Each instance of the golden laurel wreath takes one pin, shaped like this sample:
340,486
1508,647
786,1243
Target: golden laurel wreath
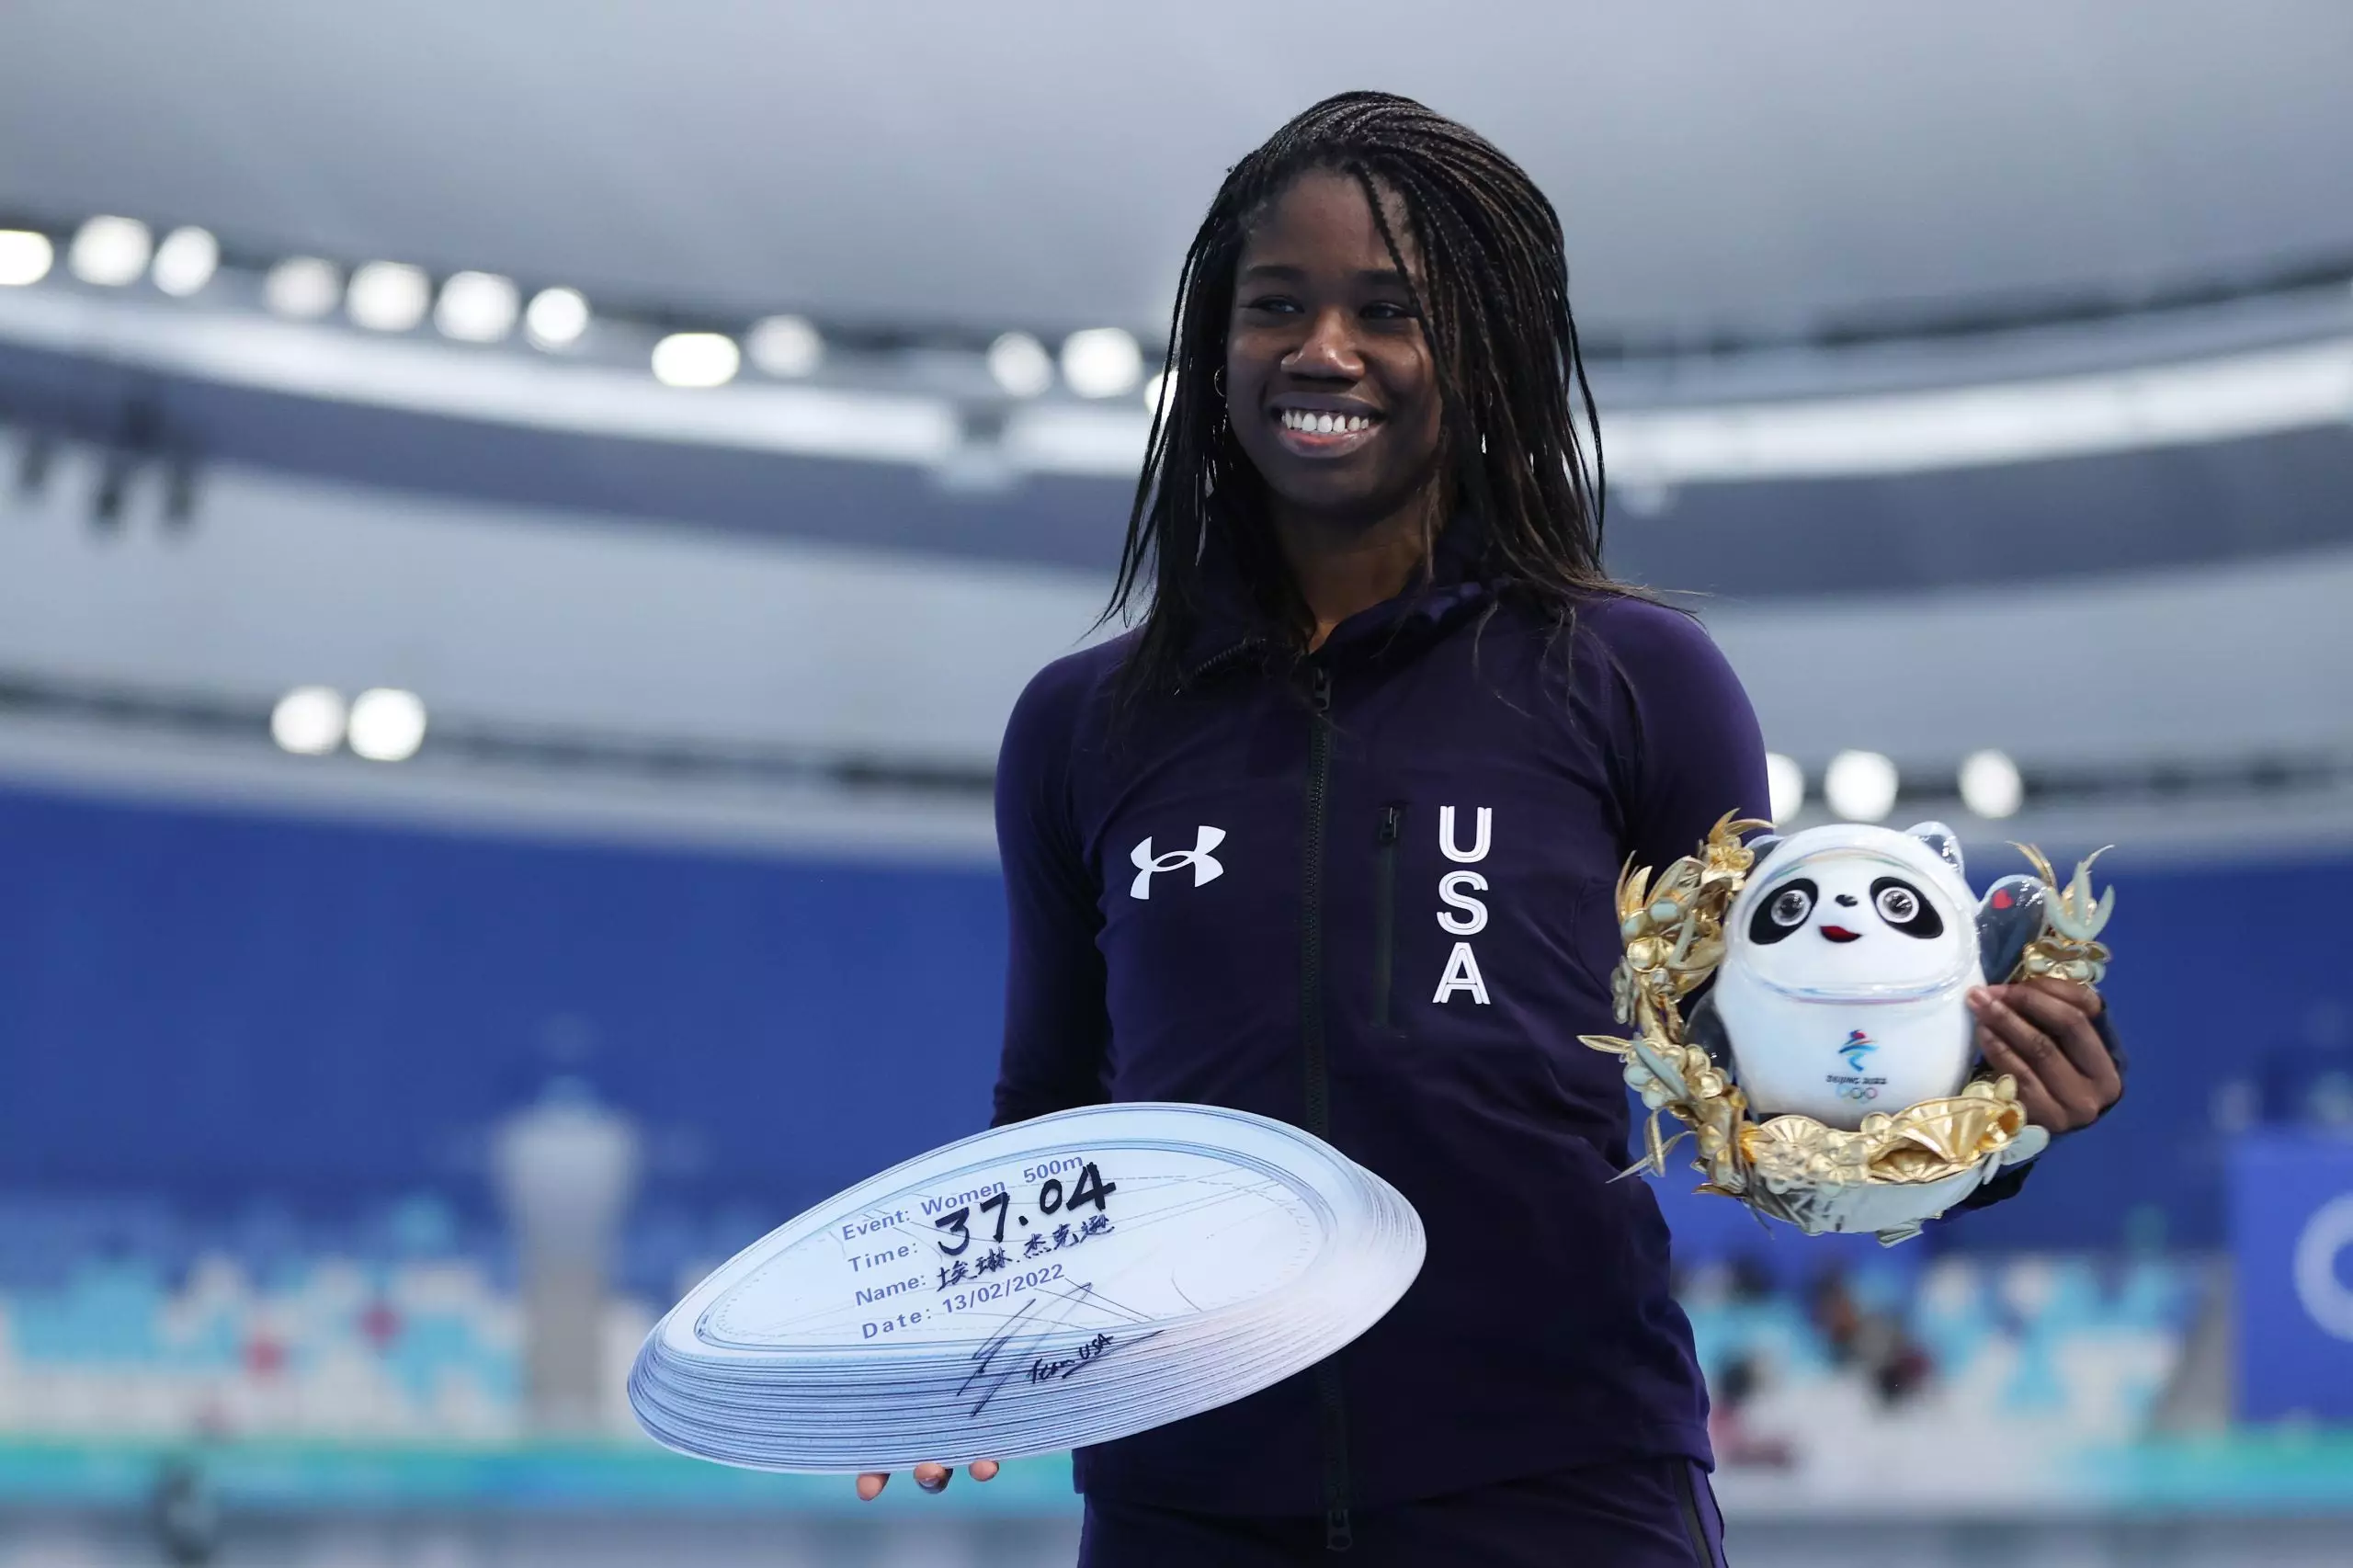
1888,1176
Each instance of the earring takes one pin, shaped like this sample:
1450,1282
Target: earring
1217,382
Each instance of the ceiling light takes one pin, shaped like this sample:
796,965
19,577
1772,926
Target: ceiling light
1785,783
556,317
387,725
1020,364
389,296
186,261
1643,498
110,251
308,721
1102,361
1990,785
696,359
787,345
477,307
1859,786
302,287
24,257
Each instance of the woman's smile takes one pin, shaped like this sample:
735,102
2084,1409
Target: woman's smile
1325,427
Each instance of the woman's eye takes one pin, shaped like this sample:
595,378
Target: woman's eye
1271,302
1388,311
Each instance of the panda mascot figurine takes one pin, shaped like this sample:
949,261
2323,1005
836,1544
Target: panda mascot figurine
1848,956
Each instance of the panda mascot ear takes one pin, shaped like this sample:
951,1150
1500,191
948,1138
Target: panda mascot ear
1761,846
1942,840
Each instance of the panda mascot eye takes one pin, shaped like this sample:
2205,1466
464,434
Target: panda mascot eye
1900,905
1785,912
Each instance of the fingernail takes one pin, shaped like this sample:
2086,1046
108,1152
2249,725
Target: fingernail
1979,997
933,1485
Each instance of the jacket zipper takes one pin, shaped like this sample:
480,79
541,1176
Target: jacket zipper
1337,1534
1385,914
1226,656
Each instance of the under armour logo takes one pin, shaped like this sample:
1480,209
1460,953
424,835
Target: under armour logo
1205,865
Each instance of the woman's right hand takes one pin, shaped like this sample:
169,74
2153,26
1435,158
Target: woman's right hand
930,1477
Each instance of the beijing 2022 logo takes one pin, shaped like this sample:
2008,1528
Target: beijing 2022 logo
1857,1087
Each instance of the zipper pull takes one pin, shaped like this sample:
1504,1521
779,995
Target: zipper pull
1319,691
1389,818
1337,1534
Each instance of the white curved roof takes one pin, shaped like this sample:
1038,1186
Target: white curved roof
1718,161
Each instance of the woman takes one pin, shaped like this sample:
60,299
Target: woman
1332,837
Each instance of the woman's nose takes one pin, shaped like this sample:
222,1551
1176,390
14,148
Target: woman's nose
1328,351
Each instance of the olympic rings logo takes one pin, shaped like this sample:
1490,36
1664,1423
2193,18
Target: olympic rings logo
2325,1236
1859,1092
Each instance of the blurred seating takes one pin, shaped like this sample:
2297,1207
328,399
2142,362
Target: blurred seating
122,1318
2053,1350
125,1317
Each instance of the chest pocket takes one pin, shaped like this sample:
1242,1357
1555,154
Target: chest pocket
1472,915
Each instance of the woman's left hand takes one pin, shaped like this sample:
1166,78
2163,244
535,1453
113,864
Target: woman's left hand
2040,1032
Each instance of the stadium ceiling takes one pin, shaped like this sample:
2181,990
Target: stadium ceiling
1722,167
1883,298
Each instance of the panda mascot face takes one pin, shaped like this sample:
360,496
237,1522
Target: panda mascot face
1848,956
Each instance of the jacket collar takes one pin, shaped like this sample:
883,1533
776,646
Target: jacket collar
1230,632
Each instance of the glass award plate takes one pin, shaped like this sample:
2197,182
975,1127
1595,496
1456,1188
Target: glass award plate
1061,1281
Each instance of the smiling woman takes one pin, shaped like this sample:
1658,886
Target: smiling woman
1366,547
1372,332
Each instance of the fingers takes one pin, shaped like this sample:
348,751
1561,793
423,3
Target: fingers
2057,1096
930,1477
2024,1038
2042,1110
2090,1002
2060,1014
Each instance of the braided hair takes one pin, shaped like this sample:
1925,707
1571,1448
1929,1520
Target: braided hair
1494,303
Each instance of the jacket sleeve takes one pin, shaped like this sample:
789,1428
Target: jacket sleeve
1696,751
1056,1022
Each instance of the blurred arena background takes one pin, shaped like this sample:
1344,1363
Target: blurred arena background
520,523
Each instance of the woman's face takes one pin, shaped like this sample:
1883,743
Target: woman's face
1329,380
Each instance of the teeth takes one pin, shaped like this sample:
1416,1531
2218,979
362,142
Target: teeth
1324,423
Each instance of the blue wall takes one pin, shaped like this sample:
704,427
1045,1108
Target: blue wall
2222,973
220,1004
217,1005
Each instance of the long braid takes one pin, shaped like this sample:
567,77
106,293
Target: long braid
1493,300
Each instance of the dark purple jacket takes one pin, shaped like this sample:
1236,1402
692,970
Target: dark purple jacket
1369,892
